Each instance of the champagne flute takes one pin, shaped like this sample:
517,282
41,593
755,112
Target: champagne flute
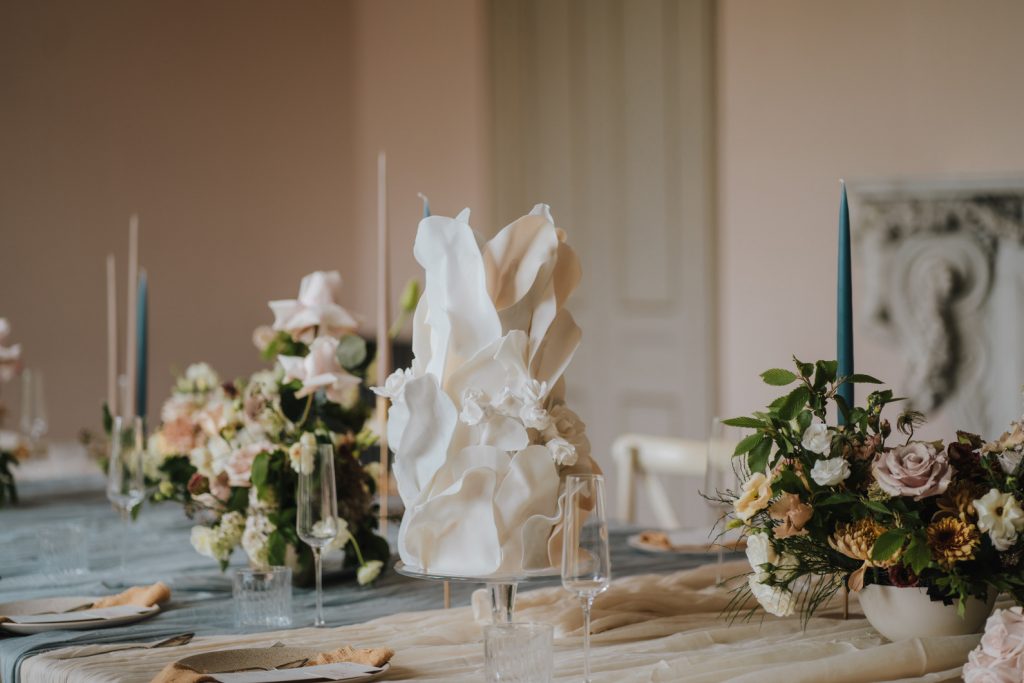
126,481
317,519
719,476
586,564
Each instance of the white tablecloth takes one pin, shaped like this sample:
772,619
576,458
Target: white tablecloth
647,628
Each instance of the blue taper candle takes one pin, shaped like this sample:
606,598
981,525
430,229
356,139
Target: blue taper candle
142,346
426,204
844,302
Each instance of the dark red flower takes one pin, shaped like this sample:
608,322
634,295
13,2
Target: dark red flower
198,484
902,576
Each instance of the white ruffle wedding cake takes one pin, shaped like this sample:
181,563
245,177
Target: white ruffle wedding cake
479,426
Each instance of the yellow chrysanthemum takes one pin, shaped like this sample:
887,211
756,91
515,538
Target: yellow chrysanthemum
958,501
856,539
952,540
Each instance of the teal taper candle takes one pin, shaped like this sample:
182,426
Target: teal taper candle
426,205
142,344
844,302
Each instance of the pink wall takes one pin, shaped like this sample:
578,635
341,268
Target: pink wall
813,91
244,134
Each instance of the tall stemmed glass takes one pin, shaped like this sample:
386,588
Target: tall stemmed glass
317,520
586,563
126,480
719,476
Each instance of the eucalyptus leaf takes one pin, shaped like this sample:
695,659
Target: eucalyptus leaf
351,351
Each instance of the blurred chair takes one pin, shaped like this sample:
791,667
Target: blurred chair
647,458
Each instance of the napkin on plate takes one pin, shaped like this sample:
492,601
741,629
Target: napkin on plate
175,672
139,596
133,600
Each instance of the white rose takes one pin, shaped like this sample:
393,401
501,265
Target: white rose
830,471
343,537
202,539
255,537
760,551
773,599
816,437
302,452
1000,515
368,572
474,407
562,452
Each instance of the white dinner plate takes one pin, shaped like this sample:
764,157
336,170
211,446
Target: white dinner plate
77,622
689,542
242,664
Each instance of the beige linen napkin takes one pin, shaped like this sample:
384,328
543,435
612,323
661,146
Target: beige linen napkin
140,596
179,673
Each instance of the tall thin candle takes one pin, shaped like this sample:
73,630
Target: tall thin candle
142,364
383,342
844,302
131,330
111,335
426,204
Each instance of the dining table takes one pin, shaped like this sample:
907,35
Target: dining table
664,618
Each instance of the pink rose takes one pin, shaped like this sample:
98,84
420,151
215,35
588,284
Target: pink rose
180,435
239,465
999,658
916,469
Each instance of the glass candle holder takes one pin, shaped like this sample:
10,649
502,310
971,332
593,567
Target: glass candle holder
263,598
63,550
518,653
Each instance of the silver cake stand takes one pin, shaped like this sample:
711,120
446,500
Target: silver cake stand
501,587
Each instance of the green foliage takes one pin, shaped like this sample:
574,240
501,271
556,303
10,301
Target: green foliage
888,544
8,489
351,351
778,377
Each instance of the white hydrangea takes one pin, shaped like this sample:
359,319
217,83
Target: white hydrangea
217,542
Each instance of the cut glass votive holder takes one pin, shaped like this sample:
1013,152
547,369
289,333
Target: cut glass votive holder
263,598
518,653
63,550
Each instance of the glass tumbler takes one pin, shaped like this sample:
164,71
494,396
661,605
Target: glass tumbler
518,653
263,597
63,550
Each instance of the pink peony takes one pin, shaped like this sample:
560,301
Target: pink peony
916,469
239,465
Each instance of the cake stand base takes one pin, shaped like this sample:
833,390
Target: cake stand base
502,588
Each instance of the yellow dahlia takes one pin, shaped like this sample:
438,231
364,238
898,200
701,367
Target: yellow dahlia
856,539
952,540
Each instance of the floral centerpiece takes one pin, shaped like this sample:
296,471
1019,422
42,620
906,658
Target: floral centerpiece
11,447
826,505
230,452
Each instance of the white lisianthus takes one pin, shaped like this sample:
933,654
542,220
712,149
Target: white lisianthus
368,572
474,407
774,599
302,452
1000,515
1010,461
562,452
816,437
830,471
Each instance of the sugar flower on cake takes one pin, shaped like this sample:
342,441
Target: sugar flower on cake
481,434
917,469
314,309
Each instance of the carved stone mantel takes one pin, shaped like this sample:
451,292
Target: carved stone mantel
943,268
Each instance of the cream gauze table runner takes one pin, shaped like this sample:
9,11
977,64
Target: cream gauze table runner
647,628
